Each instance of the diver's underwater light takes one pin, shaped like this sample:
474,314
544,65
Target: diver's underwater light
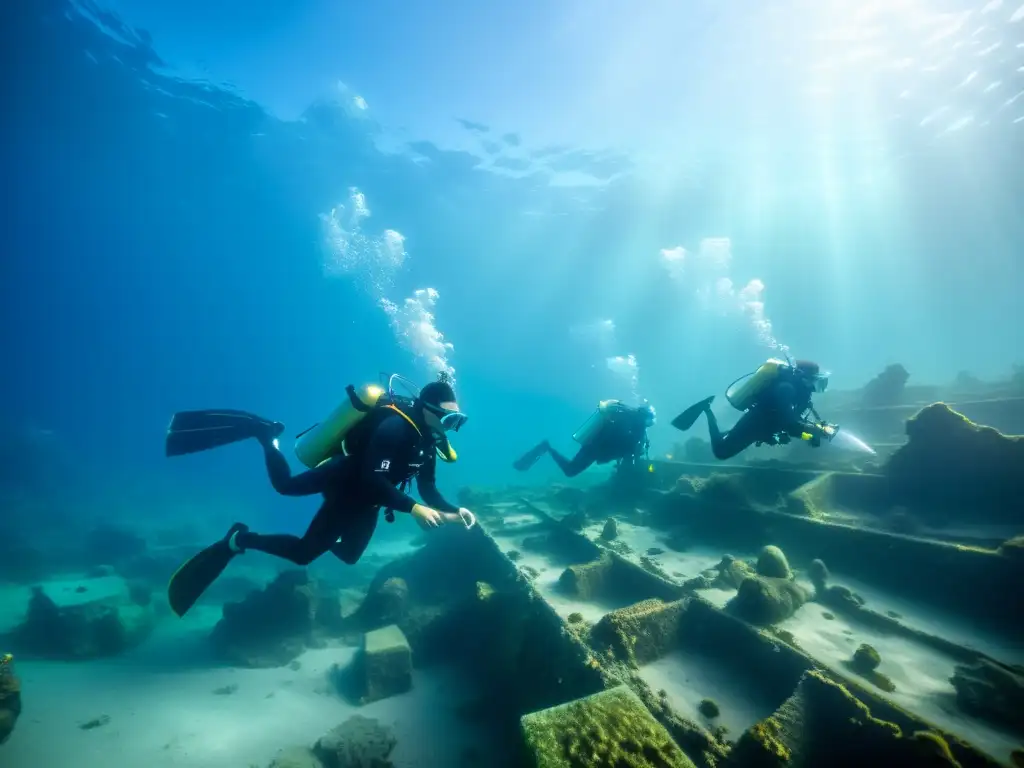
845,439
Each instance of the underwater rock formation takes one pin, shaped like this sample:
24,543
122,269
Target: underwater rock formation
818,573
609,728
639,633
610,532
887,387
10,697
732,572
90,619
822,724
953,468
764,601
387,602
272,626
865,662
772,563
359,742
381,669
991,692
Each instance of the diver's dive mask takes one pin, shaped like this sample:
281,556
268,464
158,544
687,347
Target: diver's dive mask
649,415
820,382
451,421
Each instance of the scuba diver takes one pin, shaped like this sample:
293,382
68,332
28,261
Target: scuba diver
361,458
615,432
776,401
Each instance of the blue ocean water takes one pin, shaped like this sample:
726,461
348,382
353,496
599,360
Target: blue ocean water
245,206
171,243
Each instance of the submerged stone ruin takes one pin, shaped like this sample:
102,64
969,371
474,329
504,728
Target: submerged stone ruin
714,615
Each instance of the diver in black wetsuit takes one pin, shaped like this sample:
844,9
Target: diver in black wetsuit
616,432
775,413
386,450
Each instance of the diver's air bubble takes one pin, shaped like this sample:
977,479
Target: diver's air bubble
372,261
627,369
707,275
415,328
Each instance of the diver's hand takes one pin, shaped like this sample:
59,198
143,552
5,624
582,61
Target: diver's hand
427,517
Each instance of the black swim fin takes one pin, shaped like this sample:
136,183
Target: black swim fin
531,457
194,431
686,419
197,573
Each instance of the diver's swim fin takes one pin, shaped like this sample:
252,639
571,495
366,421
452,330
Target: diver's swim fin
197,573
194,431
686,419
531,457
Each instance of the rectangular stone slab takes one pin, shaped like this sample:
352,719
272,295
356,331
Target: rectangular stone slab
611,727
386,664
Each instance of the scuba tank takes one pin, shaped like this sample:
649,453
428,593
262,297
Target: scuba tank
589,429
743,392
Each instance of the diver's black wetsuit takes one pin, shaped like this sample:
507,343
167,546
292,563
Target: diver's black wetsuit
623,437
779,410
354,487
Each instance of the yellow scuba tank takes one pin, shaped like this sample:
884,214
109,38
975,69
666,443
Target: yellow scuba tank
588,431
326,439
742,393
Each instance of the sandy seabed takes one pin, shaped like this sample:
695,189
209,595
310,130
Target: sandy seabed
170,704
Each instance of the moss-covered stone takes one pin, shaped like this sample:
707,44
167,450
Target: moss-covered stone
640,633
587,580
865,663
765,601
387,664
610,728
709,709
10,697
866,659
818,573
952,467
772,562
732,572
610,532
991,692
81,620
820,718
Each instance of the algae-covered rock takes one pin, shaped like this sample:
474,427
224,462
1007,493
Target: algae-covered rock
10,697
709,709
865,662
822,724
610,532
640,633
587,580
359,742
610,728
887,387
991,692
386,603
85,619
819,575
272,626
764,601
732,572
772,563
384,667
953,467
